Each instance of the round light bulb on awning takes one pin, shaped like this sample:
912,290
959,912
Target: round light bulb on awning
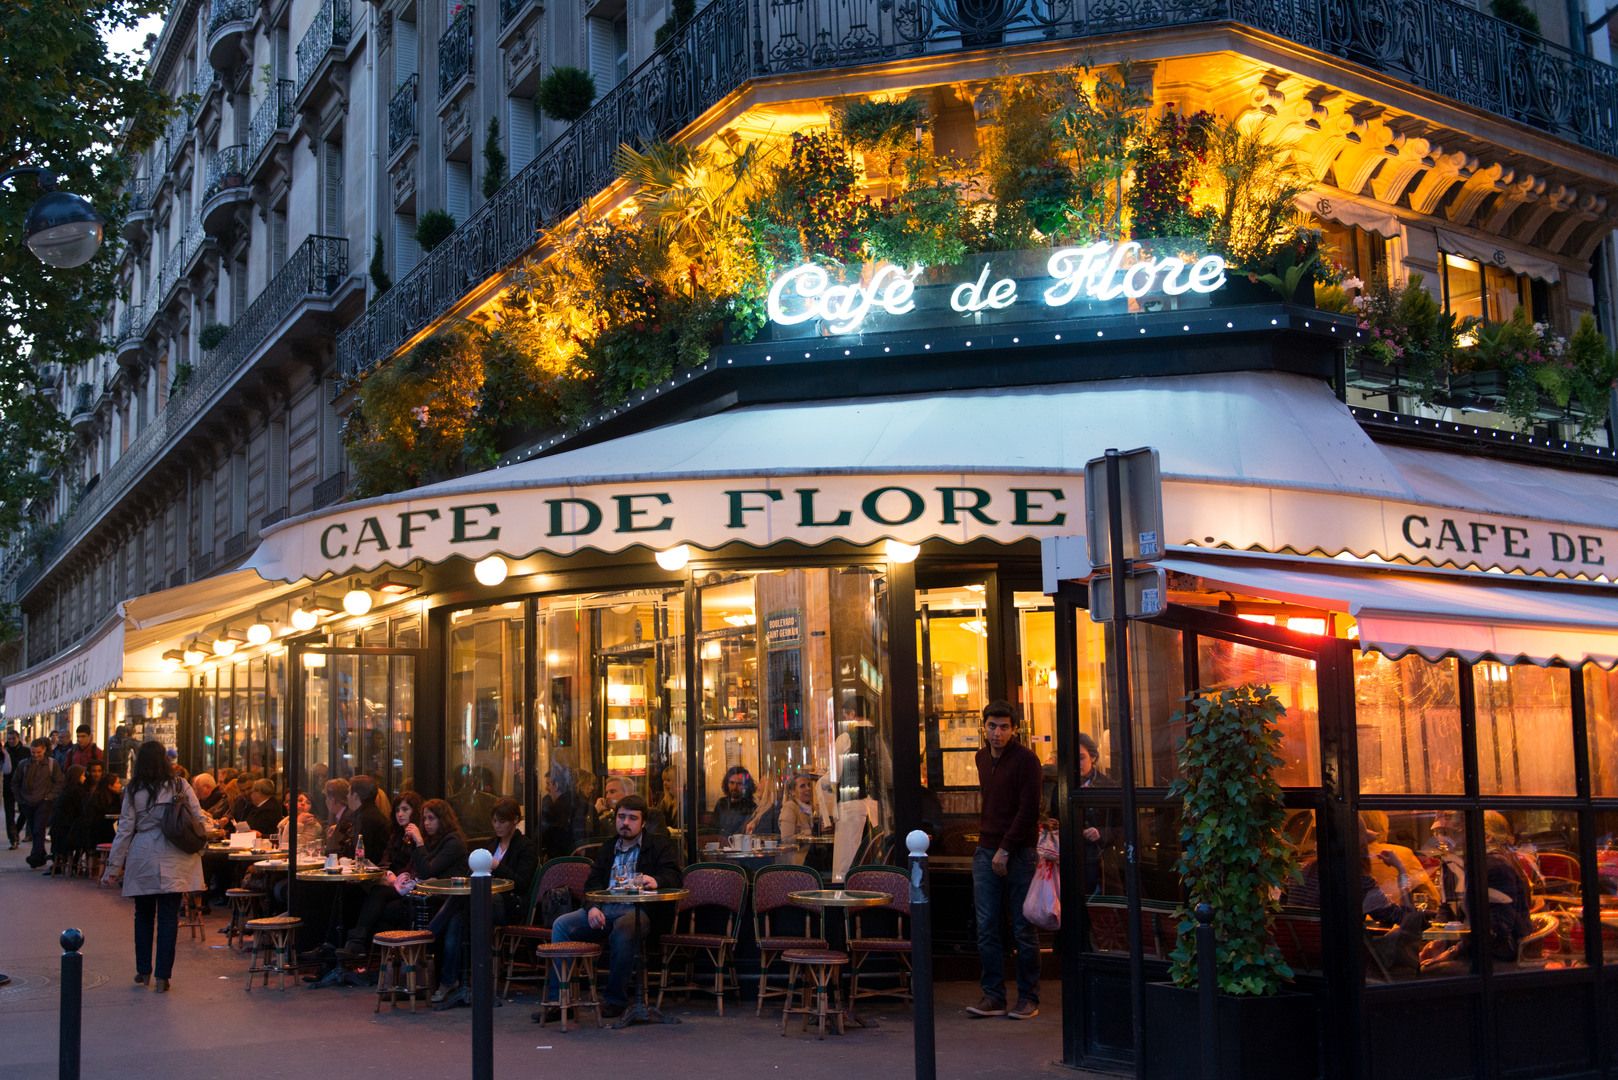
304,619
193,655
902,553
356,601
674,558
223,646
259,633
491,571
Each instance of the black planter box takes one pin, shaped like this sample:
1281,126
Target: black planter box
1260,1038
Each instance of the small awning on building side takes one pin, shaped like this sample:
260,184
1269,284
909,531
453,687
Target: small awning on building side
1434,613
86,669
1499,255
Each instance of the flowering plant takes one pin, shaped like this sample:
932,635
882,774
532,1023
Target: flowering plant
1535,362
1404,327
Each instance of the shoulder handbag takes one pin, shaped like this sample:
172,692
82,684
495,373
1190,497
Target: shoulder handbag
180,826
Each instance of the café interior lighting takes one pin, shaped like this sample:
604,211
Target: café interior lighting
357,601
397,583
193,654
304,618
491,571
259,633
227,641
674,558
173,658
902,553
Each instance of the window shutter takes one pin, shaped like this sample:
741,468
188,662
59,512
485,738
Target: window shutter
278,240
406,252
238,290
457,189
332,185
404,52
519,133
602,45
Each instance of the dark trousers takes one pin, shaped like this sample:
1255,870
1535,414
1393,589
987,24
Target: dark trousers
995,897
38,817
165,908
450,924
622,936
13,822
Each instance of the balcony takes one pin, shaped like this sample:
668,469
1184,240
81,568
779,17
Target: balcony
512,10
315,272
404,124
138,219
83,414
231,19
322,46
455,52
202,87
521,55
225,189
131,335
271,126
1442,47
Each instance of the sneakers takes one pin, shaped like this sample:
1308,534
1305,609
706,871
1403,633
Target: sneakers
988,1006
1025,1010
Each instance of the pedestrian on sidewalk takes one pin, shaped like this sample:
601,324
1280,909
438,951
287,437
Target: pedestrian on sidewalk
153,871
37,784
1003,864
12,755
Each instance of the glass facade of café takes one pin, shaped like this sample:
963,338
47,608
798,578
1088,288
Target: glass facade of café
1490,787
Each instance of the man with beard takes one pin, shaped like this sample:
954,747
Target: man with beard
736,806
638,859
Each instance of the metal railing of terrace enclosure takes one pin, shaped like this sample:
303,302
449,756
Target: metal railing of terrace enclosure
1439,45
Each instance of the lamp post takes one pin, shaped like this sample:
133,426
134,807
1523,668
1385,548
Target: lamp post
62,229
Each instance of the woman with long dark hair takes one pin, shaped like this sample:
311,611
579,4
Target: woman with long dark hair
441,852
153,871
386,903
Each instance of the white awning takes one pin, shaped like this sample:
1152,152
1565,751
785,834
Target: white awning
1002,465
1499,255
86,669
1434,613
1345,209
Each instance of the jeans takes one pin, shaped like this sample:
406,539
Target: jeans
13,822
625,927
992,896
450,924
38,817
166,908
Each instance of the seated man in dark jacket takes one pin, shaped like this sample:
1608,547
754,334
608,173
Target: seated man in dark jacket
367,821
637,859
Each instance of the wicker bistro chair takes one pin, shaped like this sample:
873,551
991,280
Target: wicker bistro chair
405,967
273,940
717,886
575,963
771,887
244,907
512,942
862,944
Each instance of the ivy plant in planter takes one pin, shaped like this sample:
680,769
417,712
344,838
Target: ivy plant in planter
182,377
566,93
433,228
210,336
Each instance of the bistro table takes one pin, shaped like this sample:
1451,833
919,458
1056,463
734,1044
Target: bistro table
459,886
338,975
843,900
641,1012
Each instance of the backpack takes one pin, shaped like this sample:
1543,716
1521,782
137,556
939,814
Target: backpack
179,827
555,903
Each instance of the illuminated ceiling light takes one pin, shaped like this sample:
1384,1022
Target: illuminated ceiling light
304,618
259,633
902,553
674,558
173,659
357,601
397,582
742,620
227,641
491,571
193,655
314,659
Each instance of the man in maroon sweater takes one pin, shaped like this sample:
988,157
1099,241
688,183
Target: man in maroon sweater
1003,865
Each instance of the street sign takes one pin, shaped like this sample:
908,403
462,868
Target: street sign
1062,558
1146,589
1141,482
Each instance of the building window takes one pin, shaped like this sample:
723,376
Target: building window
406,252
331,189
1482,291
1364,254
606,40
458,189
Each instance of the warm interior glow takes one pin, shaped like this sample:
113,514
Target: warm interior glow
314,659
1307,626
357,601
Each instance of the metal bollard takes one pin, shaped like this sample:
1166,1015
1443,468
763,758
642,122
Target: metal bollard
482,966
1208,991
72,1005
921,955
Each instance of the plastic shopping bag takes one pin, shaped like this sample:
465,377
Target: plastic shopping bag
1043,905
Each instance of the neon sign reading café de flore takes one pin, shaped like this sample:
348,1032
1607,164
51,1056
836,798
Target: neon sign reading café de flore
1099,278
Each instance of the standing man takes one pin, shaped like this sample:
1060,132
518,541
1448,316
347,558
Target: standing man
61,749
38,784
1003,864
119,747
86,752
12,755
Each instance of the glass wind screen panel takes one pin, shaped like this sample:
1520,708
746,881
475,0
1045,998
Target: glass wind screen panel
1536,899
316,765
483,753
401,774
1601,719
1157,680
1606,826
1224,664
952,647
1036,645
1407,716
1524,729
1412,883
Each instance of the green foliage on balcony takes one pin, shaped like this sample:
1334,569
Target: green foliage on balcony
433,228
566,93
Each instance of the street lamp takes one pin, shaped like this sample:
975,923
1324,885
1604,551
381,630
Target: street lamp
62,230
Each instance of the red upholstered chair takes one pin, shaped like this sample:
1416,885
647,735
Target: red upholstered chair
513,942
772,886
862,944
718,888
1297,933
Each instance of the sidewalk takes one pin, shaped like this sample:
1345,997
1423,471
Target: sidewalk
208,1026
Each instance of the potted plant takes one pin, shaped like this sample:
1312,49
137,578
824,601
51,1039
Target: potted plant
433,228
566,93
1234,858
1406,340
209,337
1582,376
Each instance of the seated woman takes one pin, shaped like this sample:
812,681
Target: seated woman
440,851
386,905
515,859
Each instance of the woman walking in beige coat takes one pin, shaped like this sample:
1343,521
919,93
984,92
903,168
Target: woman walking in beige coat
155,872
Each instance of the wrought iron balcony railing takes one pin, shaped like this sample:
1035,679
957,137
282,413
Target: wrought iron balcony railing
332,24
274,114
83,400
229,11
455,52
226,169
316,269
1443,46
140,195
403,125
510,9
201,86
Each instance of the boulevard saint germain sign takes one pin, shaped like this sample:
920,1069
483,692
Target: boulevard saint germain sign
1103,278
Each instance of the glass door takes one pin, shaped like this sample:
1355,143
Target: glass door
355,715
